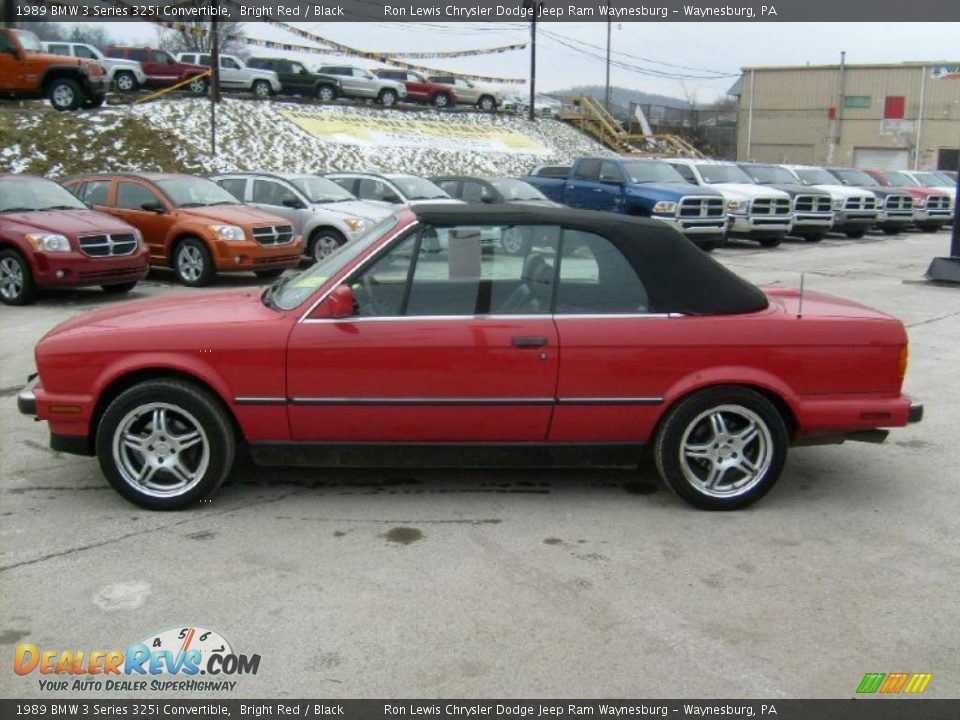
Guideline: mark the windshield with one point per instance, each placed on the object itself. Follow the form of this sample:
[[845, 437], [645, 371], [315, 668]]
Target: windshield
[[931, 180], [947, 180], [855, 177], [186, 192], [769, 175], [723, 174], [415, 188], [29, 41], [651, 172], [292, 292], [517, 190], [321, 190], [815, 176], [30, 194], [896, 178]]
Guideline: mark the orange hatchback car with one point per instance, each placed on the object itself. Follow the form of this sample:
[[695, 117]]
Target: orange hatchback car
[[192, 224]]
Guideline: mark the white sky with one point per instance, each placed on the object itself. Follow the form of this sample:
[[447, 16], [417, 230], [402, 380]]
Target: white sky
[[716, 47]]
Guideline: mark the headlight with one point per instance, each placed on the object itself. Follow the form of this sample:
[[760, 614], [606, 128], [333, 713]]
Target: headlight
[[228, 232], [138, 236], [919, 202], [665, 207], [356, 224], [49, 242], [738, 206], [839, 203]]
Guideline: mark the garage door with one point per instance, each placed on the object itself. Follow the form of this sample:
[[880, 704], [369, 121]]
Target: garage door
[[885, 158]]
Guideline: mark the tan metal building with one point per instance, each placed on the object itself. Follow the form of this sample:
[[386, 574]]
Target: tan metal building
[[898, 116]]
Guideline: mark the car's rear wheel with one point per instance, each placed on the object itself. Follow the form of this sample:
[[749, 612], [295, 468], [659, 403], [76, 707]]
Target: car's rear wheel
[[126, 82], [165, 444], [16, 281], [326, 93], [119, 288], [770, 242], [262, 90], [813, 237], [324, 242], [441, 100], [722, 448], [198, 86], [487, 103], [192, 263], [65, 94], [855, 234], [387, 98]]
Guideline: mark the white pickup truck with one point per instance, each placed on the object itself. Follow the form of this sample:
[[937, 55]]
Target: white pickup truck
[[124, 75], [234, 74]]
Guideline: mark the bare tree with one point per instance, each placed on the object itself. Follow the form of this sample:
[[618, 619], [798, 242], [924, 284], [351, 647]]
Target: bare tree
[[197, 36], [49, 31], [91, 34]]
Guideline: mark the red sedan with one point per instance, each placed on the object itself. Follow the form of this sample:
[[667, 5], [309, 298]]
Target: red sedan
[[425, 341]]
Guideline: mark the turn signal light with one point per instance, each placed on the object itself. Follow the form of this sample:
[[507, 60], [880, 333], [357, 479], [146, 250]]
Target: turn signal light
[[66, 409], [902, 364]]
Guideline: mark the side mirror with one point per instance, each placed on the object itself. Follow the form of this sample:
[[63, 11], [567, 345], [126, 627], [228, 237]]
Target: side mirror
[[293, 203], [340, 303], [487, 199], [153, 206]]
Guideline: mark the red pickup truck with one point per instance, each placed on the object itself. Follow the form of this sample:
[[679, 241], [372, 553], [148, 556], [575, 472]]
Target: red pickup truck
[[162, 68], [48, 238]]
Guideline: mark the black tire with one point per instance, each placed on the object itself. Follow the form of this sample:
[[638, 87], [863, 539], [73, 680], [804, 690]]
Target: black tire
[[126, 82], [813, 237], [770, 242], [855, 234], [891, 231], [487, 103], [440, 100], [192, 263], [261, 89], [321, 243], [119, 288], [199, 86], [707, 246], [687, 475], [185, 406], [387, 98], [326, 93], [269, 274], [16, 281], [65, 94], [930, 227]]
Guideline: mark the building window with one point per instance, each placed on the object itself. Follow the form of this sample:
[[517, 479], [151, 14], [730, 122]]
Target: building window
[[856, 101], [894, 107]]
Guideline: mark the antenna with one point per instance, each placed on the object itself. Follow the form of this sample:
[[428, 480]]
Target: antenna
[[800, 304]]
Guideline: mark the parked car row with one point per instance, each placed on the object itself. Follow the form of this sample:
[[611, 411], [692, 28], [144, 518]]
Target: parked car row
[[709, 200]]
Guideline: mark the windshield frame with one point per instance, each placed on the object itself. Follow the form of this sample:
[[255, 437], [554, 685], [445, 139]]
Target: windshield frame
[[830, 178], [675, 179], [704, 171], [910, 182], [503, 186], [164, 188], [26, 183], [35, 45], [861, 175], [788, 180], [301, 185], [406, 183]]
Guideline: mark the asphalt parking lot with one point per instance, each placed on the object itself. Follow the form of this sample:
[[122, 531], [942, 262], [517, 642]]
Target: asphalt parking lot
[[519, 584]]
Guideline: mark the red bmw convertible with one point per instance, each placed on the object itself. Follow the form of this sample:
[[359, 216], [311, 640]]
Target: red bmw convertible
[[425, 342]]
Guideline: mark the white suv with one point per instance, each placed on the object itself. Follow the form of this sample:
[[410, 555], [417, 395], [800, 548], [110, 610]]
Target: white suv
[[124, 75], [234, 74]]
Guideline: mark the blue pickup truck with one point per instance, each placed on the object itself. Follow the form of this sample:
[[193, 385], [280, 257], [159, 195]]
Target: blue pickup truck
[[633, 186]]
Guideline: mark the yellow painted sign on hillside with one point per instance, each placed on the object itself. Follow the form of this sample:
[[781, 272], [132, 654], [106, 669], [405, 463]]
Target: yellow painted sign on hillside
[[432, 134]]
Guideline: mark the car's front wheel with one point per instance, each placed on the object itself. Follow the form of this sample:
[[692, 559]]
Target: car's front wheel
[[326, 93], [165, 444], [769, 242], [441, 100], [323, 242], [262, 90], [16, 282], [193, 263], [387, 98], [126, 82], [855, 234], [198, 86], [65, 94], [722, 448], [487, 104]]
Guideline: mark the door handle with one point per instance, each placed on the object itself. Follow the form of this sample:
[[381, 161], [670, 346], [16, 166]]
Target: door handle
[[529, 342]]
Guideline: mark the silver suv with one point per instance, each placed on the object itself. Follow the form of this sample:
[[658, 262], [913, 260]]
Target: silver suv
[[361, 83], [320, 210], [124, 75], [234, 74], [486, 98]]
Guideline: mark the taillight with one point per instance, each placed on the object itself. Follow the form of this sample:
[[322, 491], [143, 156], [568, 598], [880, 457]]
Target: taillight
[[902, 364]]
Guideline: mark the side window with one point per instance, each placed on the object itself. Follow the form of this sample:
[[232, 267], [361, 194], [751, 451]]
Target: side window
[[229, 63], [595, 277], [205, 60], [56, 49], [474, 270], [687, 173], [269, 192], [138, 55], [349, 184], [374, 189], [158, 56], [588, 170], [379, 291], [475, 192], [6, 45], [610, 171], [451, 187], [132, 196], [84, 52], [188, 58], [234, 186], [94, 192]]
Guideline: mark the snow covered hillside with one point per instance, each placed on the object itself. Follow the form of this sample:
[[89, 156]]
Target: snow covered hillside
[[174, 135]]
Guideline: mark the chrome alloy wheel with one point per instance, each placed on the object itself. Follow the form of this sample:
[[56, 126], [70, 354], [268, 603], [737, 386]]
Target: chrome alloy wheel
[[161, 450], [63, 96], [190, 263], [11, 278], [726, 451], [323, 246]]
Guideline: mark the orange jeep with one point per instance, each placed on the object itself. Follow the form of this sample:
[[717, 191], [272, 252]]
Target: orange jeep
[[192, 224], [26, 70]]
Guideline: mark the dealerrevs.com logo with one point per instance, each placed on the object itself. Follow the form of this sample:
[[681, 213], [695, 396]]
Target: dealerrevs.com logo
[[172, 660]]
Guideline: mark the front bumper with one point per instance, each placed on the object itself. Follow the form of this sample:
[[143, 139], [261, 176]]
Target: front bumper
[[760, 225], [26, 399], [74, 269], [935, 215], [855, 219], [812, 222], [695, 226], [232, 256]]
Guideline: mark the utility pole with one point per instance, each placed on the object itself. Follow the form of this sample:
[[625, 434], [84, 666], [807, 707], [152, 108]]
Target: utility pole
[[214, 79], [9, 13], [606, 96], [534, 8]]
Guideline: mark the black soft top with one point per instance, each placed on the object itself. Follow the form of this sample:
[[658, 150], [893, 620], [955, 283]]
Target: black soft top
[[678, 276]]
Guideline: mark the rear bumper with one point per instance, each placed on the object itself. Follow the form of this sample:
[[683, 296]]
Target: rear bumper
[[26, 399], [916, 412], [850, 415]]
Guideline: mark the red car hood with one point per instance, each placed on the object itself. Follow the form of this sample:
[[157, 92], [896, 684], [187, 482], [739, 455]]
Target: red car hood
[[235, 215], [175, 311], [64, 222]]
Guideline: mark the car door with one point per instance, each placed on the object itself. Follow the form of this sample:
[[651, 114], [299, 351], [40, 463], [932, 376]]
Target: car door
[[616, 361], [366, 82], [611, 185], [277, 198], [299, 78], [585, 190], [448, 343], [417, 88], [129, 197], [230, 73]]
